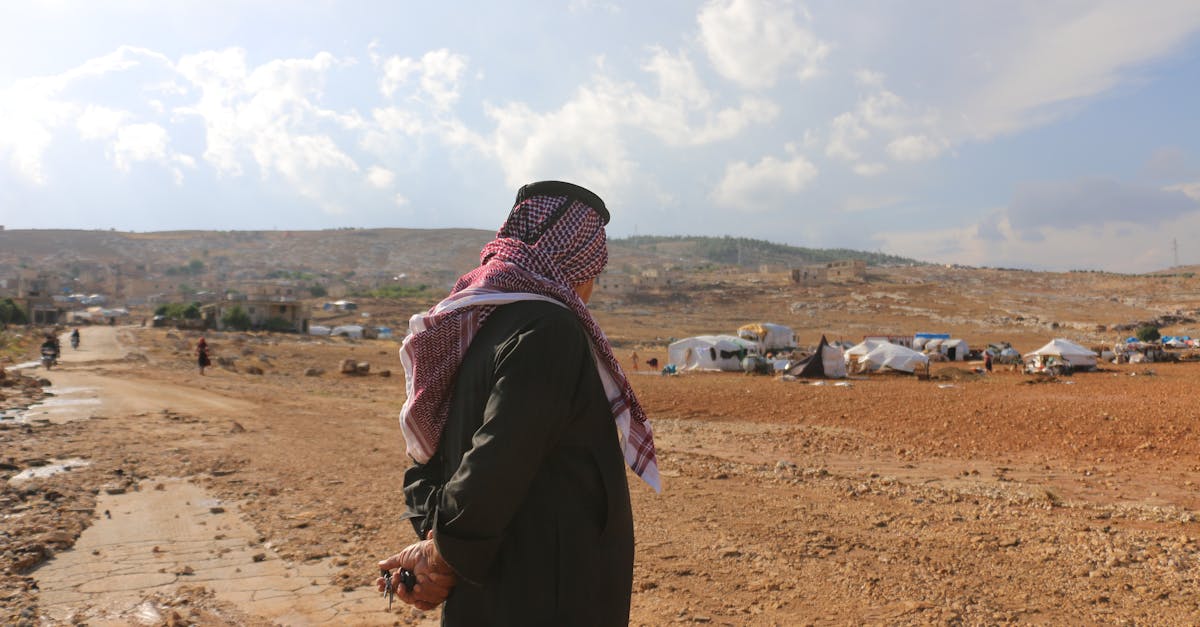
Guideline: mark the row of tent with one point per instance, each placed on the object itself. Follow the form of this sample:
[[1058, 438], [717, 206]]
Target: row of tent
[[726, 353]]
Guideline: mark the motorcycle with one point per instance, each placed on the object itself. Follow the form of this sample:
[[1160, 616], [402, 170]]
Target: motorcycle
[[49, 358], [74, 342]]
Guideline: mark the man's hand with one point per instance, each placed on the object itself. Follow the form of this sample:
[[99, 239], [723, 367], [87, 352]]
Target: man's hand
[[435, 578]]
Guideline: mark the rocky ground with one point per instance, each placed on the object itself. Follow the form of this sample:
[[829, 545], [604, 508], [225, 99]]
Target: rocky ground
[[959, 500]]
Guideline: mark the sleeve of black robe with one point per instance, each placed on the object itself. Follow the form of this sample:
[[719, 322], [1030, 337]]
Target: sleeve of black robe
[[537, 374]]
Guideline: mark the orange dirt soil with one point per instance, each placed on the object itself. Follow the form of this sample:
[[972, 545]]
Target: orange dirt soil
[[963, 500]]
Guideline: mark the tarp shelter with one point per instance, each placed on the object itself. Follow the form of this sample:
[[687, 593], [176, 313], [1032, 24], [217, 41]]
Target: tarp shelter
[[953, 349], [827, 362], [1068, 351], [317, 329], [862, 348], [894, 357], [768, 336], [348, 330], [921, 339], [709, 352]]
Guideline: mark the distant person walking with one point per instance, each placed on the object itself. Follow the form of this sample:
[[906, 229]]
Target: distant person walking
[[202, 359], [634, 357], [987, 361]]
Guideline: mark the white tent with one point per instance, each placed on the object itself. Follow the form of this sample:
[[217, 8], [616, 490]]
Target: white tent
[[768, 336], [862, 348], [1068, 351], [709, 352], [953, 349], [892, 356], [353, 331]]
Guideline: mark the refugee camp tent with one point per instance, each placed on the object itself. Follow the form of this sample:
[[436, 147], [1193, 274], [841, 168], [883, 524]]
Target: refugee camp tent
[[892, 356], [768, 337], [1070, 352], [862, 348], [317, 329], [348, 330], [709, 352], [827, 362], [921, 339], [953, 349]]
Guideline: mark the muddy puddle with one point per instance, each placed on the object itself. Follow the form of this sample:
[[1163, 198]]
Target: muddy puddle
[[171, 538], [53, 467], [60, 406]]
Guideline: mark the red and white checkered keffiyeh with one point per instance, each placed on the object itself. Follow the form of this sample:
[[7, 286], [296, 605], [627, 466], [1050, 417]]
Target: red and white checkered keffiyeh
[[570, 252]]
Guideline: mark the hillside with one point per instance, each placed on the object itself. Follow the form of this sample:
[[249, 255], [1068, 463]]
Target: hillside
[[751, 252], [436, 255]]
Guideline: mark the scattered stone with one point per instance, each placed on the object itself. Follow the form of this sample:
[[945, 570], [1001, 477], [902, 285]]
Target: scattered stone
[[385, 373], [186, 570], [313, 372], [258, 557], [216, 510], [255, 370], [237, 427], [114, 488], [355, 367]]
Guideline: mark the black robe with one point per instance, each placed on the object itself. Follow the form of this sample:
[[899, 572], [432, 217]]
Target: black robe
[[527, 493]]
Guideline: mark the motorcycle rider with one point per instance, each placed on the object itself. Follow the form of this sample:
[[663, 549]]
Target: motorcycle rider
[[51, 348], [75, 338]]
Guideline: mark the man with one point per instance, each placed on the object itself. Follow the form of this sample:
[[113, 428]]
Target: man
[[518, 416]]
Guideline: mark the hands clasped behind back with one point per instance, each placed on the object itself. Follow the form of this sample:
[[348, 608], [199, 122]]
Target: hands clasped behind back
[[435, 578]]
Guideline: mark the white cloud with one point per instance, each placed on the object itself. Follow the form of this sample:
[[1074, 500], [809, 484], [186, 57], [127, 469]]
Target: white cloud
[[1191, 190], [868, 169], [381, 178], [752, 42], [272, 114], [680, 96], [762, 186], [100, 122], [914, 148], [1089, 204], [1068, 53], [400, 200], [883, 122], [1115, 247], [32, 110], [439, 71], [844, 134], [139, 142], [585, 137], [577, 142]]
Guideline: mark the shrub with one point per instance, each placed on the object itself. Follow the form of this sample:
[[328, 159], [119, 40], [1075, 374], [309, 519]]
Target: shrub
[[279, 325], [179, 311], [11, 312], [1147, 333], [236, 318]]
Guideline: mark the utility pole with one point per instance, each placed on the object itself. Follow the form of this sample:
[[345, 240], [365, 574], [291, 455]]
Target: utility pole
[[1175, 247]]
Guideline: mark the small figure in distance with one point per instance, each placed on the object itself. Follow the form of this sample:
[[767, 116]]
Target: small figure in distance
[[202, 359], [634, 357], [75, 338]]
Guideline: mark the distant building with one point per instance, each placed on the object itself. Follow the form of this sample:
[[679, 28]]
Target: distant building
[[832, 272], [614, 283], [263, 312]]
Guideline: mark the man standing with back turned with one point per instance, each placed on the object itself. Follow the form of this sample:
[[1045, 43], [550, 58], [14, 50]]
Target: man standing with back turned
[[520, 421]]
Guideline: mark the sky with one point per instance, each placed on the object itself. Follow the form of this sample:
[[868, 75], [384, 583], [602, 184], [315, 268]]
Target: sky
[[1042, 134]]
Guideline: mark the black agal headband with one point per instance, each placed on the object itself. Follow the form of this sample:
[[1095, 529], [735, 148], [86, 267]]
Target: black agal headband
[[560, 188]]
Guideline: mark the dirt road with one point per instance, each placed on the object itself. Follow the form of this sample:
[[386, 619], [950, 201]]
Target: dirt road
[[241, 498]]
